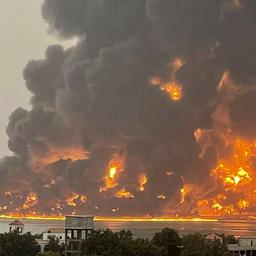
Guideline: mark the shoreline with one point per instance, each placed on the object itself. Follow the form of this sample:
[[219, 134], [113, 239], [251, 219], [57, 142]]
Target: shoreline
[[126, 219], [116, 219]]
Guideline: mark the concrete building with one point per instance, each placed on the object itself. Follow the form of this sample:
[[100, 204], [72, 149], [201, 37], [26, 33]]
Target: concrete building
[[246, 246], [77, 229], [16, 226], [56, 233]]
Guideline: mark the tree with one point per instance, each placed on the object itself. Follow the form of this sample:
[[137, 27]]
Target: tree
[[108, 243], [230, 239], [197, 245], [168, 242], [38, 236], [144, 247], [13, 244], [49, 254], [121, 243], [165, 243], [219, 249], [55, 246]]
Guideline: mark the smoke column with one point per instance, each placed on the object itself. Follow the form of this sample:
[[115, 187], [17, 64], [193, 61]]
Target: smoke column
[[137, 113]]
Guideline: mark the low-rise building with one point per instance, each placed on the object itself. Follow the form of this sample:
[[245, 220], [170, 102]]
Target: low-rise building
[[77, 229], [56, 233], [246, 246], [16, 226]]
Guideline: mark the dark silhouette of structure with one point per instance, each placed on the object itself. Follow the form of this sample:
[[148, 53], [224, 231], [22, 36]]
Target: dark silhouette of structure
[[77, 229]]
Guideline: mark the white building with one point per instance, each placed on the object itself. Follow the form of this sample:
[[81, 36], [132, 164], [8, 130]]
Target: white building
[[16, 226], [56, 233], [77, 229], [246, 246]]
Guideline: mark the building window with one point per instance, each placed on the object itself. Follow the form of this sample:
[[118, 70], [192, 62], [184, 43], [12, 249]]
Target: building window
[[75, 234], [69, 233], [83, 234]]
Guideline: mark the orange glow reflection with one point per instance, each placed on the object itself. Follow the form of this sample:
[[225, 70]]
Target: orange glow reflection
[[72, 153]]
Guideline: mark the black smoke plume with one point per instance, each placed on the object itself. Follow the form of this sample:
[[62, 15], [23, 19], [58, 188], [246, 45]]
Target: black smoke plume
[[96, 98]]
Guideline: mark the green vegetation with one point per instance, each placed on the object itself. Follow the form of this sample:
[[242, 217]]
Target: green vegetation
[[230, 239], [168, 241], [49, 253], [13, 244], [165, 243], [54, 246], [109, 243], [197, 245]]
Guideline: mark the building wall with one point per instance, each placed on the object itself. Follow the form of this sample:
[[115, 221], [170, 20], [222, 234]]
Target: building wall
[[247, 242], [60, 236]]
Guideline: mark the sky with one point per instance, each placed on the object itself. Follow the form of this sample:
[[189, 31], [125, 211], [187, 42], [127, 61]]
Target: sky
[[23, 37]]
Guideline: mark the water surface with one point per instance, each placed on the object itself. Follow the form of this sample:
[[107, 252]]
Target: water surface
[[147, 229]]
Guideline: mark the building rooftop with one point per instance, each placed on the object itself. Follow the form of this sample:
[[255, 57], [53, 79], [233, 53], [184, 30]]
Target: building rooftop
[[246, 237], [237, 247], [16, 223], [55, 230]]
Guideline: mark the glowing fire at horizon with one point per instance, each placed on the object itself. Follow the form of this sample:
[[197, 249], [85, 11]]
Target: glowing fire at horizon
[[236, 174]]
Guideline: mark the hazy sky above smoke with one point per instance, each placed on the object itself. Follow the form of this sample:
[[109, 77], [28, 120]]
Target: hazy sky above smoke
[[21, 28]]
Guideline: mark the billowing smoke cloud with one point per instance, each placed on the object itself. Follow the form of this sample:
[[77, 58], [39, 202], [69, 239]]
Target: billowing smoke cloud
[[94, 107]]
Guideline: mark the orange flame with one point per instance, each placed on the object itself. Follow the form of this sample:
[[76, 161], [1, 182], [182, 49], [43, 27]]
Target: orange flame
[[236, 173], [74, 198], [174, 90], [124, 194], [183, 193], [30, 201], [171, 87], [142, 181], [114, 170]]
